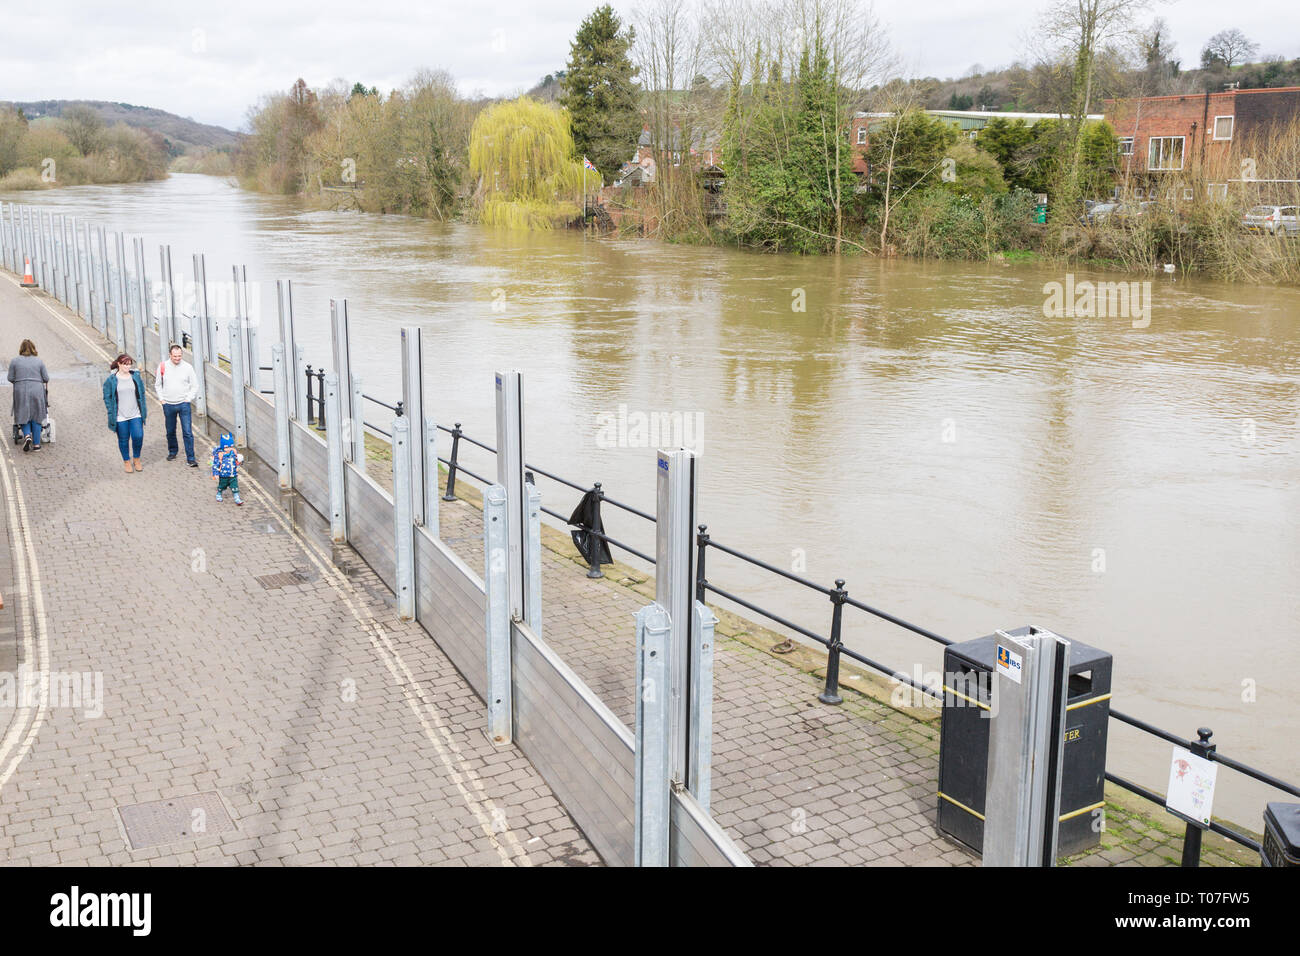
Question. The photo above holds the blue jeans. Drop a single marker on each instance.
(33, 428)
(130, 436)
(170, 414)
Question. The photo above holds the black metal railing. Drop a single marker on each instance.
(839, 599)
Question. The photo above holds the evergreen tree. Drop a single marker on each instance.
(600, 93)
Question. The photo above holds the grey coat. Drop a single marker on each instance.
(28, 374)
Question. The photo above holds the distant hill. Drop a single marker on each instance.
(180, 133)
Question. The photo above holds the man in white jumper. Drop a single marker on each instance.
(177, 386)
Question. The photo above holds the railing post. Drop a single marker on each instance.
(450, 494)
(653, 734)
(237, 382)
(831, 692)
(320, 401)
(282, 444)
(334, 444)
(403, 529)
(198, 341)
(533, 555)
(311, 414)
(500, 726)
(1192, 835)
(593, 563)
(702, 546)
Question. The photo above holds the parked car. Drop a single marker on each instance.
(1099, 211)
(1273, 220)
(1119, 210)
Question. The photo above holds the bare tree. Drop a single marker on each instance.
(1229, 47)
(83, 127)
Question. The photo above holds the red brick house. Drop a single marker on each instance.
(1171, 134)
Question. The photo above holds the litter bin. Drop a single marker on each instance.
(964, 742)
(1281, 846)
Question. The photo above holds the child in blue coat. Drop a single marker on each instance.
(225, 466)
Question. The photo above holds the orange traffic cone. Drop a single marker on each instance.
(29, 281)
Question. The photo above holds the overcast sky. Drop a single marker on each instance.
(210, 61)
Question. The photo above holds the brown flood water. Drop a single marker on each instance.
(921, 430)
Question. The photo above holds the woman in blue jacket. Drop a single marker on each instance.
(124, 398)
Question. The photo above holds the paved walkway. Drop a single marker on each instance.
(245, 671)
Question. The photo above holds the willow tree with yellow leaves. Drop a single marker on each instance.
(522, 153)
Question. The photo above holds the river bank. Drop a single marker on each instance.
(920, 429)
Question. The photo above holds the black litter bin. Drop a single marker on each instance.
(1281, 846)
(964, 742)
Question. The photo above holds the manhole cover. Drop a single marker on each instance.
(171, 821)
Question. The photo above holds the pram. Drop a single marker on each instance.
(47, 426)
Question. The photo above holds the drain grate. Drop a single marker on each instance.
(282, 580)
(171, 821)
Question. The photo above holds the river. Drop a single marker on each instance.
(920, 429)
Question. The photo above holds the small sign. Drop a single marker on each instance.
(1010, 663)
(1191, 787)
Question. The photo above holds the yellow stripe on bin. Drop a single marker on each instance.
(982, 706)
(1082, 810)
(1090, 700)
(974, 813)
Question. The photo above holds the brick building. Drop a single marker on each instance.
(1170, 134)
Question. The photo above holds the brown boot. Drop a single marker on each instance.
(126, 466)
(138, 466)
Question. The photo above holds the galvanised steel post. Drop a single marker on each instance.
(94, 295)
(167, 317)
(431, 478)
(510, 475)
(354, 429)
(342, 362)
(404, 532)
(104, 282)
(282, 444)
(413, 400)
(303, 404)
(700, 753)
(450, 494)
(496, 544)
(76, 268)
(199, 340)
(334, 445)
(237, 382)
(1192, 835)
(44, 240)
(122, 301)
(831, 692)
(284, 305)
(533, 556)
(143, 295)
(651, 750)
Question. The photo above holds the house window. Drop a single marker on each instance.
(1126, 145)
(1223, 127)
(1188, 194)
(862, 136)
(1165, 153)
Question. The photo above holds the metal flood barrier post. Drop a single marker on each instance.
(404, 530)
(104, 282)
(510, 475)
(413, 402)
(199, 344)
(334, 445)
(284, 304)
(167, 320)
(342, 364)
(1026, 737)
(651, 777)
(237, 397)
(283, 447)
(121, 303)
(496, 586)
